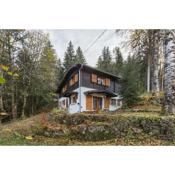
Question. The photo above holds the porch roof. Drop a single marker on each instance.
(69, 93)
(104, 92)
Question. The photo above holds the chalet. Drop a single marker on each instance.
(84, 88)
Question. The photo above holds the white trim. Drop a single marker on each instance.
(74, 109)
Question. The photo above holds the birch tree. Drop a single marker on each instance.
(169, 69)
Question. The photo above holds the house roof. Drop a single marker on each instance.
(85, 67)
(106, 92)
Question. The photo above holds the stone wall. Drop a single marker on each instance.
(96, 127)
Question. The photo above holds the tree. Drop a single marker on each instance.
(29, 72)
(29, 76)
(130, 81)
(24, 63)
(11, 41)
(79, 57)
(148, 43)
(69, 57)
(105, 60)
(59, 71)
(117, 67)
(155, 61)
(169, 81)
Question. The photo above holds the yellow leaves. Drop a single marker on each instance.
(10, 73)
(6, 69)
(2, 80)
(15, 75)
(3, 67)
(29, 137)
(7, 130)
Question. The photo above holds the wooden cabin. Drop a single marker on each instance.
(84, 88)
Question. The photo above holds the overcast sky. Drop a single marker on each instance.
(84, 39)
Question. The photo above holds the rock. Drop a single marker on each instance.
(95, 128)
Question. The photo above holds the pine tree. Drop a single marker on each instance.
(79, 58)
(118, 58)
(69, 57)
(60, 71)
(105, 60)
(130, 81)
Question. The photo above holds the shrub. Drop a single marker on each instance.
(58, 111)
(152, 98)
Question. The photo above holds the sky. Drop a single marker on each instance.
(85, 39)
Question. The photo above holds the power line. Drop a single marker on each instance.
(98, 37)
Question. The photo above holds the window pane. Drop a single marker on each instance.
(113, 101)
(94, 103)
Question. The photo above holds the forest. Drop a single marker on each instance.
(30, 69)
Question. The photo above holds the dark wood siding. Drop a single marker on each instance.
(70, 88)
(86, 82)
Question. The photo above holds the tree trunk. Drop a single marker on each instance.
(169, 68)
(24, 105)
(155, 61)
(1, 99)
(148, 74)
(14, 106)
(161, 69)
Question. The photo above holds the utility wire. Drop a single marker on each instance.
(98, 37)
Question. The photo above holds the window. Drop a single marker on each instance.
(74, 99)
(107, 82)
(97, 103)
(74, 79)
(94, 78)
(119, 102)
(64, 88)
(113, 102)
(63, 103)
(100, 81)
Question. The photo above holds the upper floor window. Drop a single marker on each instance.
(100, 80)
(94, 78)
(64, 88)
(74, 79)
(107, 82)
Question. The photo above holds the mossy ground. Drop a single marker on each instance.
(25, 132)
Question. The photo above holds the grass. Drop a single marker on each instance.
(25, 132)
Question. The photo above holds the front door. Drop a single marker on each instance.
(97, 103)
